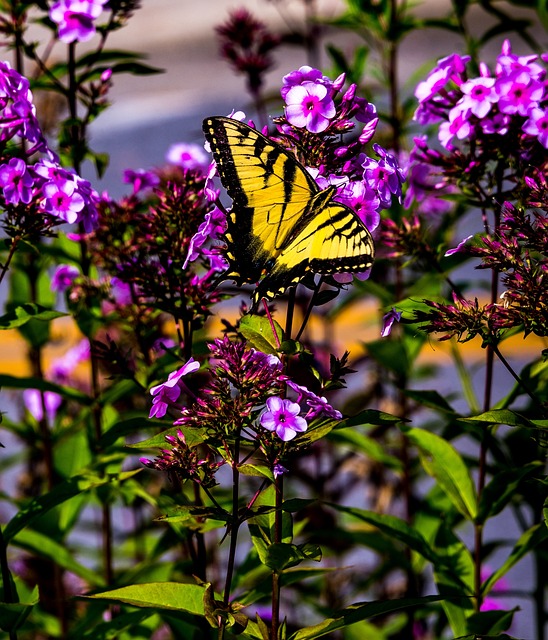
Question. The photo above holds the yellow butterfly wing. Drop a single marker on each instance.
(281, 225)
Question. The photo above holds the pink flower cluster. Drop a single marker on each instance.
(515, 95)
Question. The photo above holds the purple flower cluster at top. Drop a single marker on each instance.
(514, 96)
(17, 111)
(75, 19)
(364, 184)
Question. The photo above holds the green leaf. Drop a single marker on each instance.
(490, 622)
(358, 612)
(394, 527)
(63, 491)
(158, 595)
(256, 470)
(13, 615)
(21, 314)
(280, 555)
(260, 333)
(431, 399)
(44, 547)
(193, 437)
(444, 463)
(370, 447)
(527, 541)
(502, 488)
(371, 416)
(500, 416)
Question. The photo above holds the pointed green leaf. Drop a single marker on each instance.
(21, 314)
(259, 332)
(158, 595)
(13, 615)
(527, 541)
(394, 527)
(445, 464)
(358, 612)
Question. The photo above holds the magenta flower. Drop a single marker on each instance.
(74, 19)
(458, 125)
(282, 416)
(141, 179)
(383, 176)
(62, 368)
(537, 125)
(64, 276)
(318, 404)
(211, 228)
(33, 402)
(388, 320)
(518, 95)
(479, 95)
(304, 74)
(309, 105)
(363, 200)
(187, 156)
(450, 68)
(16, 181)
(167, 393)
(458, 248)
(62, 200)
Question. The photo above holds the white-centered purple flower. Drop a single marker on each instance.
(63, 200)
(478, 95)
(187, 156)
(519, 94)
(168, 392)
(75, 19)
(309, 106)
(282, 417)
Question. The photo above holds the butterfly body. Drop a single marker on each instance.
(281, 224)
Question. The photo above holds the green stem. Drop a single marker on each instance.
(276, 588)
(9, 594)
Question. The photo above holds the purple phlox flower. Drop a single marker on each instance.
(121, 291)
(187, 156)
(509, 64)
(518, 94)
(367, 114)
(479, 95)
(426, 188)
(63, 277)
(278, 470)
(309, 105)
(63, 200)
(318, 404)
(458, 125)
(304, 74)
(363, 200)
(537, 125)
(213, 226)
(217, 262)
(62, 369)
(459, 248)
(74, 19)
(495, 123)
(16, 181)
(141, 179)
(384, 176)
(282, 416)
(388, 320)
(449, 68)
(33, 402)
(167, 393)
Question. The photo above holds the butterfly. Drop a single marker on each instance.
(281, 224)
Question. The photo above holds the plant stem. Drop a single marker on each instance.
(234, 526)
(278, 484)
